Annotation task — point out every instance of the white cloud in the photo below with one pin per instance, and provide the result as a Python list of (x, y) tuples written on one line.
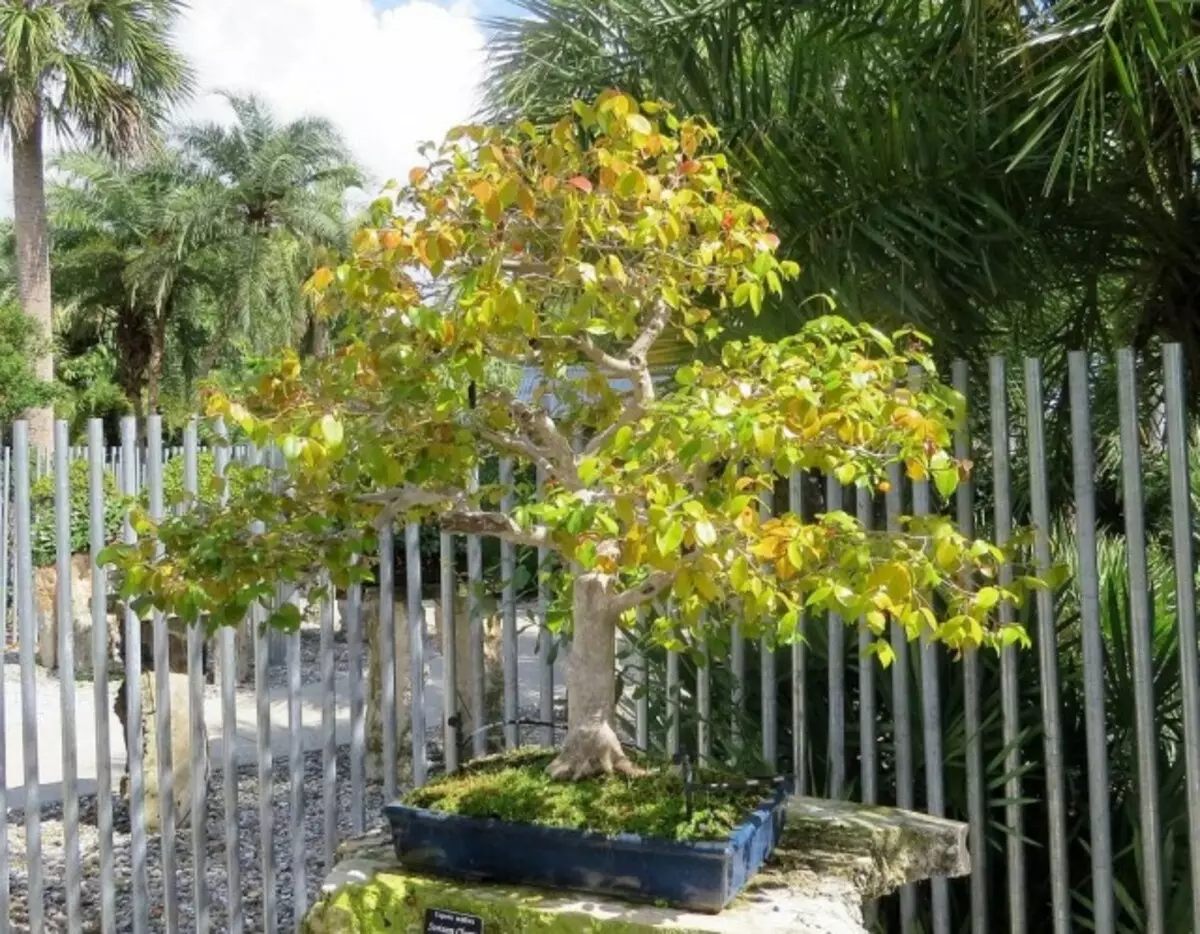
[(389, 79)]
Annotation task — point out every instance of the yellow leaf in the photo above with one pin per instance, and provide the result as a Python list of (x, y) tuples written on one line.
[(739, 573), (483, 191), (946, 554), (764, 439), (707, 587), (892, 578), (416, 175), (639, 124), (916, 471), (525, 200), (321, 279)]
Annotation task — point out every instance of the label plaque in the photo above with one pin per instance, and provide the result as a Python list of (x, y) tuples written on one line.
[(441, 921)]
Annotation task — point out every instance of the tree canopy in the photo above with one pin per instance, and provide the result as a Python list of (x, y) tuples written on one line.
[(568, 249)]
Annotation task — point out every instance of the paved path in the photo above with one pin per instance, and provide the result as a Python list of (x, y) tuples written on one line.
[(49, 719)]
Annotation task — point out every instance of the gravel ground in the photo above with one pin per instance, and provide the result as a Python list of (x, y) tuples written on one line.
[(250, 853), (250, 834)]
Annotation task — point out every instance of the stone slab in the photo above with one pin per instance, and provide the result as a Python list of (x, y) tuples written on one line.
[(361, 899), (833, 855)]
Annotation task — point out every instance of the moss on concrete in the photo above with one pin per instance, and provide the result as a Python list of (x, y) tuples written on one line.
[(390, 903)]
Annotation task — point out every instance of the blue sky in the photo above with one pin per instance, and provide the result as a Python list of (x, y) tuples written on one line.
[(388, 73), (483, 7)]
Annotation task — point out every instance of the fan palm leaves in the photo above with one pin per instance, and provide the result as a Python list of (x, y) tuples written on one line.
[(1009, 176), (100, 71)]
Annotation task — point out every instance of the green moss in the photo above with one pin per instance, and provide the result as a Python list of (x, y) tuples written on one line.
[(391, 903), (516, 788)]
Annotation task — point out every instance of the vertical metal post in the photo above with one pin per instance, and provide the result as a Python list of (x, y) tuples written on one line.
[(674, 710), (266, 810), (5, 899), (97, 542), (868, 762), (450, 712), (66, 674), (737, 666), (976, 800), (196, 676), (837, 674), (1047, 650), (799, 664), (931, 722), (296, 804), (475, 634), (5, 523), (1009, 692), (703, 709), (767, 675), (229, 719), (641, 713), (1185, 600), (1093, 650), (901, 711), (358, 733), (545, 639), (508, 571), (386, 660), (133, 699), (329, 799), (162, 688), (416, 648)]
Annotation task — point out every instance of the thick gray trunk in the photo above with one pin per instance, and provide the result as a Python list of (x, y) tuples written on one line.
[(592, 746), (590, 666), (33, 264)]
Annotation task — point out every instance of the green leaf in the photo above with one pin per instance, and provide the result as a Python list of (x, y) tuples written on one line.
[(589, 470), (946, 481), (331, 431), (670, 538), (987, 598)]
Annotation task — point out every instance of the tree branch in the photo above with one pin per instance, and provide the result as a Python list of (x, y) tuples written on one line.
[(538, 433), (497, 525), (618, 366), (635, 366), (398, 499), (646, 591), (522, 447)]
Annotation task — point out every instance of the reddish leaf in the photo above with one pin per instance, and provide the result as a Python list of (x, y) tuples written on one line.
[(582, 184)]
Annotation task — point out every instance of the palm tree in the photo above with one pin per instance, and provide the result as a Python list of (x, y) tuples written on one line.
[(102, 71), (141, 249), (1009, 176), (286, 185)]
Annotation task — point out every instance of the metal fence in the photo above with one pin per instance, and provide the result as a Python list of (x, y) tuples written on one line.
[(841, 726)]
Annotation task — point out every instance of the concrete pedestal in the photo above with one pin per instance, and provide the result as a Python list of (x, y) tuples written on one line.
[(833, 856)]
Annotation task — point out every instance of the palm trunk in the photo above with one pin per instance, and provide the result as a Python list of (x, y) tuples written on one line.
[(592, 746), (33, 264), (157, 349)]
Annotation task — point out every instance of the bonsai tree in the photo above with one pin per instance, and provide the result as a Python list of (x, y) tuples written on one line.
[(568, 252)]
